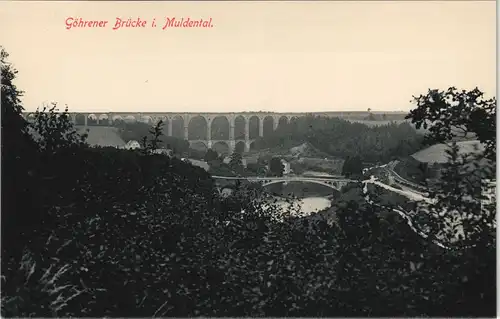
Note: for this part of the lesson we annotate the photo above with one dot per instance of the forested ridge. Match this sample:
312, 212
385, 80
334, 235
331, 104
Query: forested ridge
341, 138
332, 136
94, 232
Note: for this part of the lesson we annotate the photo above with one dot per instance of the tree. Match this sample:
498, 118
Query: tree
453, 113
149, 146
459, 193
256, 169
17, 151
211, 155
236, 162
465, 177
12, 121
156, 132
353, 166
276, 167
53, 130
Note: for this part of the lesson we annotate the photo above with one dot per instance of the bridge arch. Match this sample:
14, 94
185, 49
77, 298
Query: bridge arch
294, 123
117, 119
146, 119
178, 126
29, 116
240, 147
282, 122
156, 119
268, 125
221, 147
219, 128
199, 146
253, 127
197, 128
80, 119
239, 127
253, 146
92, 119
129, 119
103, 119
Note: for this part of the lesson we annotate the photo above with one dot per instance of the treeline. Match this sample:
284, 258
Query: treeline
344, 139
93, 232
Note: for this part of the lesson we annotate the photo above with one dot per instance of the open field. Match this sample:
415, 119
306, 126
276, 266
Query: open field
103, 136
437, 153
377, 123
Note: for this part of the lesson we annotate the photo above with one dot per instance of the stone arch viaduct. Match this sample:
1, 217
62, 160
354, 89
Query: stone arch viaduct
239, 130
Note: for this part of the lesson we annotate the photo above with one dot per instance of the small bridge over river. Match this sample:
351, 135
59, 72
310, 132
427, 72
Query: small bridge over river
335, 183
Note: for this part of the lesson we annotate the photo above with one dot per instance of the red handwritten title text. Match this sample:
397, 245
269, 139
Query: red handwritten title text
120, 23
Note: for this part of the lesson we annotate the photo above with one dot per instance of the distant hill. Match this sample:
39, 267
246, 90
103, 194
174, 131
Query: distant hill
387, 122
97, 136
102, 136
437, 153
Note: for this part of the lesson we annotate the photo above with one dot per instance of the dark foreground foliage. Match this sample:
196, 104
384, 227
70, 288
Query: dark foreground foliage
104, 232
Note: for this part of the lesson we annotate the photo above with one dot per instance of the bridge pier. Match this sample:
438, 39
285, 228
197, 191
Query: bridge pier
247, 145
169, 132
186, 132
232, 146
209, 132
247, 131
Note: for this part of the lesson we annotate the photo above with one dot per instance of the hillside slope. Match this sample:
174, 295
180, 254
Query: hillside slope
437, 153
103, 136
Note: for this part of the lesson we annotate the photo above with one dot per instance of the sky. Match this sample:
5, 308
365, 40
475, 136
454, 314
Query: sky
261, 56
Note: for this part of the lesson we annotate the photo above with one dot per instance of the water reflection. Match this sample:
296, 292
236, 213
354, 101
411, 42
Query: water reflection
303, 207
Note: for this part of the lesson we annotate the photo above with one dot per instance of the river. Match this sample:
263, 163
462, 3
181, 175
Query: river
306, 205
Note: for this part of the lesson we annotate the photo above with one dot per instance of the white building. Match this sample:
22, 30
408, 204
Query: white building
132, 145
286, 166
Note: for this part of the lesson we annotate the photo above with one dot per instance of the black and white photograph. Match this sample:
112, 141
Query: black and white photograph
248, 159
